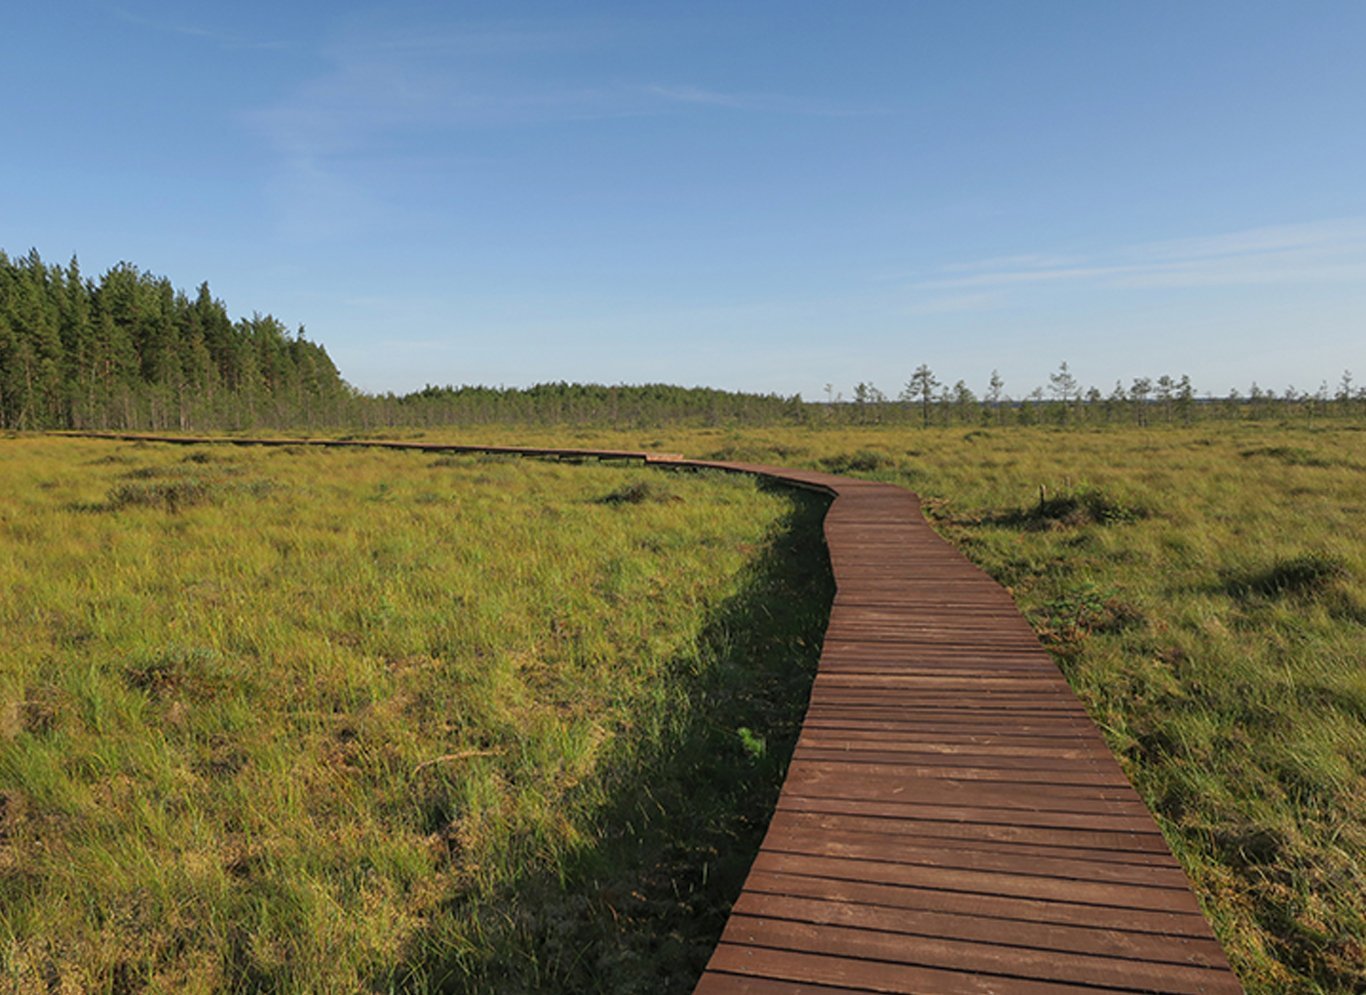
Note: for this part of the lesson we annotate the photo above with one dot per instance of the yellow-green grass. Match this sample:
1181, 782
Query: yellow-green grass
1204, 590
310, 720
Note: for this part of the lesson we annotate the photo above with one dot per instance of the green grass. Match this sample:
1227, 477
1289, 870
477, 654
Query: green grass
308, 720
1204, 591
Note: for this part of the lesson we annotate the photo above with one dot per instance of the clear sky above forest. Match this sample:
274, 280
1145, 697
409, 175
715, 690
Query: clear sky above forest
759, 195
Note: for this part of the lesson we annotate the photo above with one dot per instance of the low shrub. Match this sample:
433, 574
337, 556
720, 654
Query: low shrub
170, 495
1076, 614
1289, 455
1082, 505
863, 461
640, 492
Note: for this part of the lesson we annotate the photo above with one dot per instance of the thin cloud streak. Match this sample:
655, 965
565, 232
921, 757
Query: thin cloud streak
765, 103
416, 92
224, 39
411, 79
1316, 252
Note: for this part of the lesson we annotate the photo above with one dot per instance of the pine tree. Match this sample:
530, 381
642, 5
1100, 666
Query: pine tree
921, 386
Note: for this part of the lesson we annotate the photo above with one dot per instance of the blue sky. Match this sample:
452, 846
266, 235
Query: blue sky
765, 196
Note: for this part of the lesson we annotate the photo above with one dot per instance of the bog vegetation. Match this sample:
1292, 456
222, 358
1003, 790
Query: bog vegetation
302, 720
1204, 591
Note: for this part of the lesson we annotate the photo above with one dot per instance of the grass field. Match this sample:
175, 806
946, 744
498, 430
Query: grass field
301, 720
1203, 589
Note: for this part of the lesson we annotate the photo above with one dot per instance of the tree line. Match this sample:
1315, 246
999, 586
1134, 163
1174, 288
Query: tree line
578, 404
129, 351
1165, 399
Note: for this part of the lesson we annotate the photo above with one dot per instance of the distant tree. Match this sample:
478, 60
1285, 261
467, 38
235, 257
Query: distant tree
963, 400
1063, 386
1138, 394
1114, 403
921, 388
1166, 388
1184, 397
1093, 401
944, 404
991, 401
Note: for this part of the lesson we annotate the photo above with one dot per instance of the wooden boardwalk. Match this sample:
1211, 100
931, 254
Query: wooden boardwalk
951, 820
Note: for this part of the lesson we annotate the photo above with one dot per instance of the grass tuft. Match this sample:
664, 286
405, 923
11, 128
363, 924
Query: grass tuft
195, 672
203, 457
170, 495
862, 461
1305, 576
1080, 506
1290, 456
1065, 621
640, 492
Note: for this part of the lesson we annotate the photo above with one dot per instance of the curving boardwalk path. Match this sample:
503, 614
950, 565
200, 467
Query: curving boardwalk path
951, 820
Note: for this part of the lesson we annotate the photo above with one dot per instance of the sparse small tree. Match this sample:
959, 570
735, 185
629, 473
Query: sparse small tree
963, 400
1166, 387
1344, 393
1093, 401
1115, 402
992, 401
1138, 393
921, 388
1063, 386
1185, 399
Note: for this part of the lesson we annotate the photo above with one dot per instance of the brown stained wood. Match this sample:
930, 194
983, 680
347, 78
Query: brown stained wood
975, 815
1083, 844
1005, 910
852, 974
794, 837
816, 737
998, 958
952, 820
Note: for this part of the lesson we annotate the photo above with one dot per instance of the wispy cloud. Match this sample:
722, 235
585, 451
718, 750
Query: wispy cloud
766, 103
405, 92
217, 36
956, 303
442, 81
1030, 260
1313, 252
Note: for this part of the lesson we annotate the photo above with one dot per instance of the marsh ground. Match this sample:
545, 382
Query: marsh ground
1204, 590
301, 720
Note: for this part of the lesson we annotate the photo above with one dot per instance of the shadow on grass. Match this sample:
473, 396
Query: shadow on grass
641, 910
1308, 574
